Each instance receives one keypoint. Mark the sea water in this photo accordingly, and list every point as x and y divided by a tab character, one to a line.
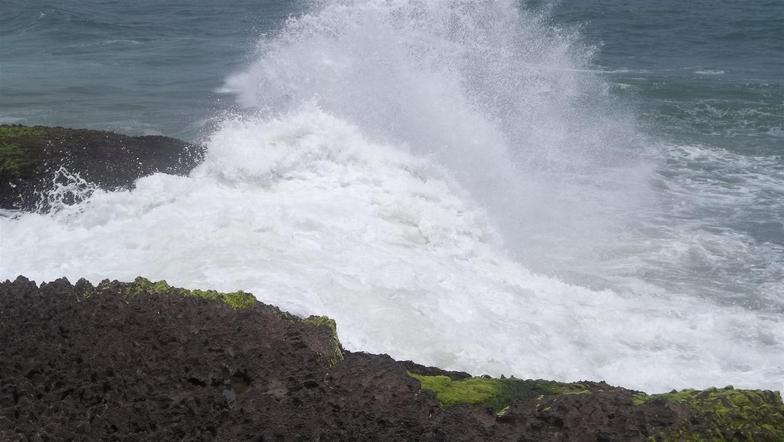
573	190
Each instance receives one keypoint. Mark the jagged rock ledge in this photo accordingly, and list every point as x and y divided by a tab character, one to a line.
30	157
146	361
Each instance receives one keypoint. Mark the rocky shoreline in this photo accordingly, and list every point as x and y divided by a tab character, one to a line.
145	361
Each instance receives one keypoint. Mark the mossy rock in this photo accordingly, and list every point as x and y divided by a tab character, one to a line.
141	286
17	131
324	341
333	353
30	158
491	392
17	160
724	414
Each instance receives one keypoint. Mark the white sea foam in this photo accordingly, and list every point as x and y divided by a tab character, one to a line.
451	183
309	215
493	94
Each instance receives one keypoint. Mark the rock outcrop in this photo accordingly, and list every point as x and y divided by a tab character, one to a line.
30	158
146	361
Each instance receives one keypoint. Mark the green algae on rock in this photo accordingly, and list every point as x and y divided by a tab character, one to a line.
325	342
14	131
725	414
16	160
492	392
237	300
31	156
323	321
333	354
713	414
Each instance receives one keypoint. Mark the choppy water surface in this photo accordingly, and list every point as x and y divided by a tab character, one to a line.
573	190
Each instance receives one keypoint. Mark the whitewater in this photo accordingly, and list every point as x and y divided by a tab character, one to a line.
454	184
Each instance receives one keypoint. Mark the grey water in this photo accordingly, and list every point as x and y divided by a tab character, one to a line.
145	67
702	71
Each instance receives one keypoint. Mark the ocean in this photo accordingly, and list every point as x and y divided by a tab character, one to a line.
564	190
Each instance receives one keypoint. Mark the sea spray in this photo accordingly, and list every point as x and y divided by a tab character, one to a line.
491	92
66	191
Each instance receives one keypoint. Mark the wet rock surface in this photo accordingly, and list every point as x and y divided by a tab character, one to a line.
145	361
31	156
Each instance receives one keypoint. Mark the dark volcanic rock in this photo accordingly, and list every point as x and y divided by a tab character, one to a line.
31	156
145	361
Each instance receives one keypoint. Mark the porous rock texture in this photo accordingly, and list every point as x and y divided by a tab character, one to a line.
30	157
144	361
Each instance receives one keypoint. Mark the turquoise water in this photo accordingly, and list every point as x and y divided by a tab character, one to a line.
601	181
